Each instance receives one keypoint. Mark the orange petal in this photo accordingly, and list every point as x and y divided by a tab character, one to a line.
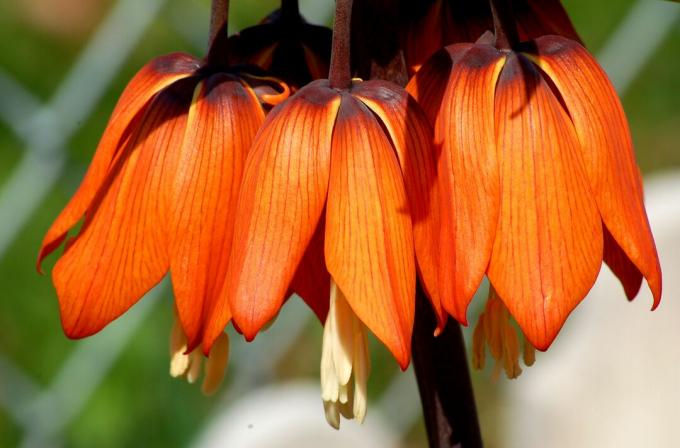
607	150
412	138
429	84
222	122
548	247
312	281
282	197
369	242
151	79
469	176
121	251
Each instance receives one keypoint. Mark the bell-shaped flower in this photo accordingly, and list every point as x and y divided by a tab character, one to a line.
159	196
537	178
338	187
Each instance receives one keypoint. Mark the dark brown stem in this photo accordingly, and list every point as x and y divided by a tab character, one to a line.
441	368
290	9
504	24
219	16
340	74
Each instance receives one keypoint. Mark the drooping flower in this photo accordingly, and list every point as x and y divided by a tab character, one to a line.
336	196
433	25
285	46
321	168
158	197
538	181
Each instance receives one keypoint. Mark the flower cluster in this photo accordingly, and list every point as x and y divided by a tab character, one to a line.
267	169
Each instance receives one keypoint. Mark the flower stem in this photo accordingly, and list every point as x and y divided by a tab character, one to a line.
219	16
290	9
441	368
340	74
504	24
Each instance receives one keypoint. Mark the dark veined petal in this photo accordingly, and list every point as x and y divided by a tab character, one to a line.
412	138
469	176
607	150
121	251
222	122
548	248
369	241
282	197
429	84
125	119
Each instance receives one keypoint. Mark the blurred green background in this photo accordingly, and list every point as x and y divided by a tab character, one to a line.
53	112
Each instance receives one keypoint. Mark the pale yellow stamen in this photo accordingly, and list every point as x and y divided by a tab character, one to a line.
195	365
495	329
179	360
345	362
216	365
190	365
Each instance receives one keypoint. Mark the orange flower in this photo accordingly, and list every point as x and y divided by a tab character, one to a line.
446	22
339	183
335	203
286	46
158	196
538	180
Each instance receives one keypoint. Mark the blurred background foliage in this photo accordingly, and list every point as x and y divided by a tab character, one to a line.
137	403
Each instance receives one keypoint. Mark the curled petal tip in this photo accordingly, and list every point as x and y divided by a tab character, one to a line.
656	287
404	362
250	336
460	316
442	320
541	343
656	293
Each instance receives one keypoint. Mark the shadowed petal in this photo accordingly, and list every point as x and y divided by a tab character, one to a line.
121	251
124	121
282	197
548	247
469	176
369	243
423	36
537	18
617	260
222	122
312	281
412	138
607	149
